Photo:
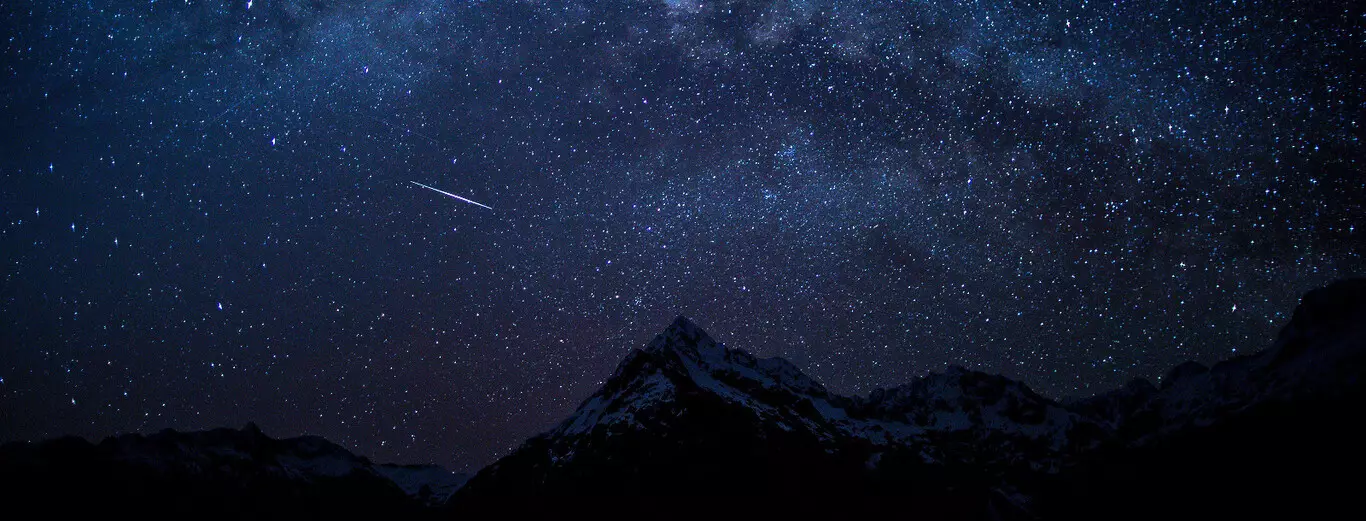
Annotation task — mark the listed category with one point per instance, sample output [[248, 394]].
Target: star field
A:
[[207, 215]]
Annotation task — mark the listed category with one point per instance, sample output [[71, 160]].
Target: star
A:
[[871, 194]]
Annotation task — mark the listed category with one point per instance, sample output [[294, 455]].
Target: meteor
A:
[[443, 192]]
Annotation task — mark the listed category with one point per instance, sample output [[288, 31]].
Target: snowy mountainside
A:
[[988, 442]]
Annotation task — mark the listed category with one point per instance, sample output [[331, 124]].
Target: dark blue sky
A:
[[207, 217]]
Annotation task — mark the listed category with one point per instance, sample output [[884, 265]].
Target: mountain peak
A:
[[684, 327], [957, 370], [684, 336], [682, 322]]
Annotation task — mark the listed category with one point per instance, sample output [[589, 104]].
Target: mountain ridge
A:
[[685, 416], [990, 433], [222, 472]]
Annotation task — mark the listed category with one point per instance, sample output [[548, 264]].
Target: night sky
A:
[[208, 216]]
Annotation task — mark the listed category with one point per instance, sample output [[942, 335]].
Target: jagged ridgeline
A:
[[221, 473], [685, 417]]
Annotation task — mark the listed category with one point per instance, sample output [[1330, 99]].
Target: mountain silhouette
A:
[[686, 418]]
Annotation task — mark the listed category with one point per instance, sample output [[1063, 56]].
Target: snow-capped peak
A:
[[684, 360], [684, 382]]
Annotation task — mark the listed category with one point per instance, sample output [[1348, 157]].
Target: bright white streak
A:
[[438, 190]]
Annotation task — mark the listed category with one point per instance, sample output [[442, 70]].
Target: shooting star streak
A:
[[440, 191]]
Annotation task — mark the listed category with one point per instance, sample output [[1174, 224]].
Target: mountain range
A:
[[686, 417]]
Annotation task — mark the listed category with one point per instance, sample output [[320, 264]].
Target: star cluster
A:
[[207, 218]]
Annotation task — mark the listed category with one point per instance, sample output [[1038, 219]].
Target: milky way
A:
[[206, 218]]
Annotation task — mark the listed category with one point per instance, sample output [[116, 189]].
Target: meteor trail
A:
[[438, 190]]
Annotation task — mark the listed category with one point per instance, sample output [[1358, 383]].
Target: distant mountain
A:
[[222, 473], [1276, 433], [431, 485], [689, 417]]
